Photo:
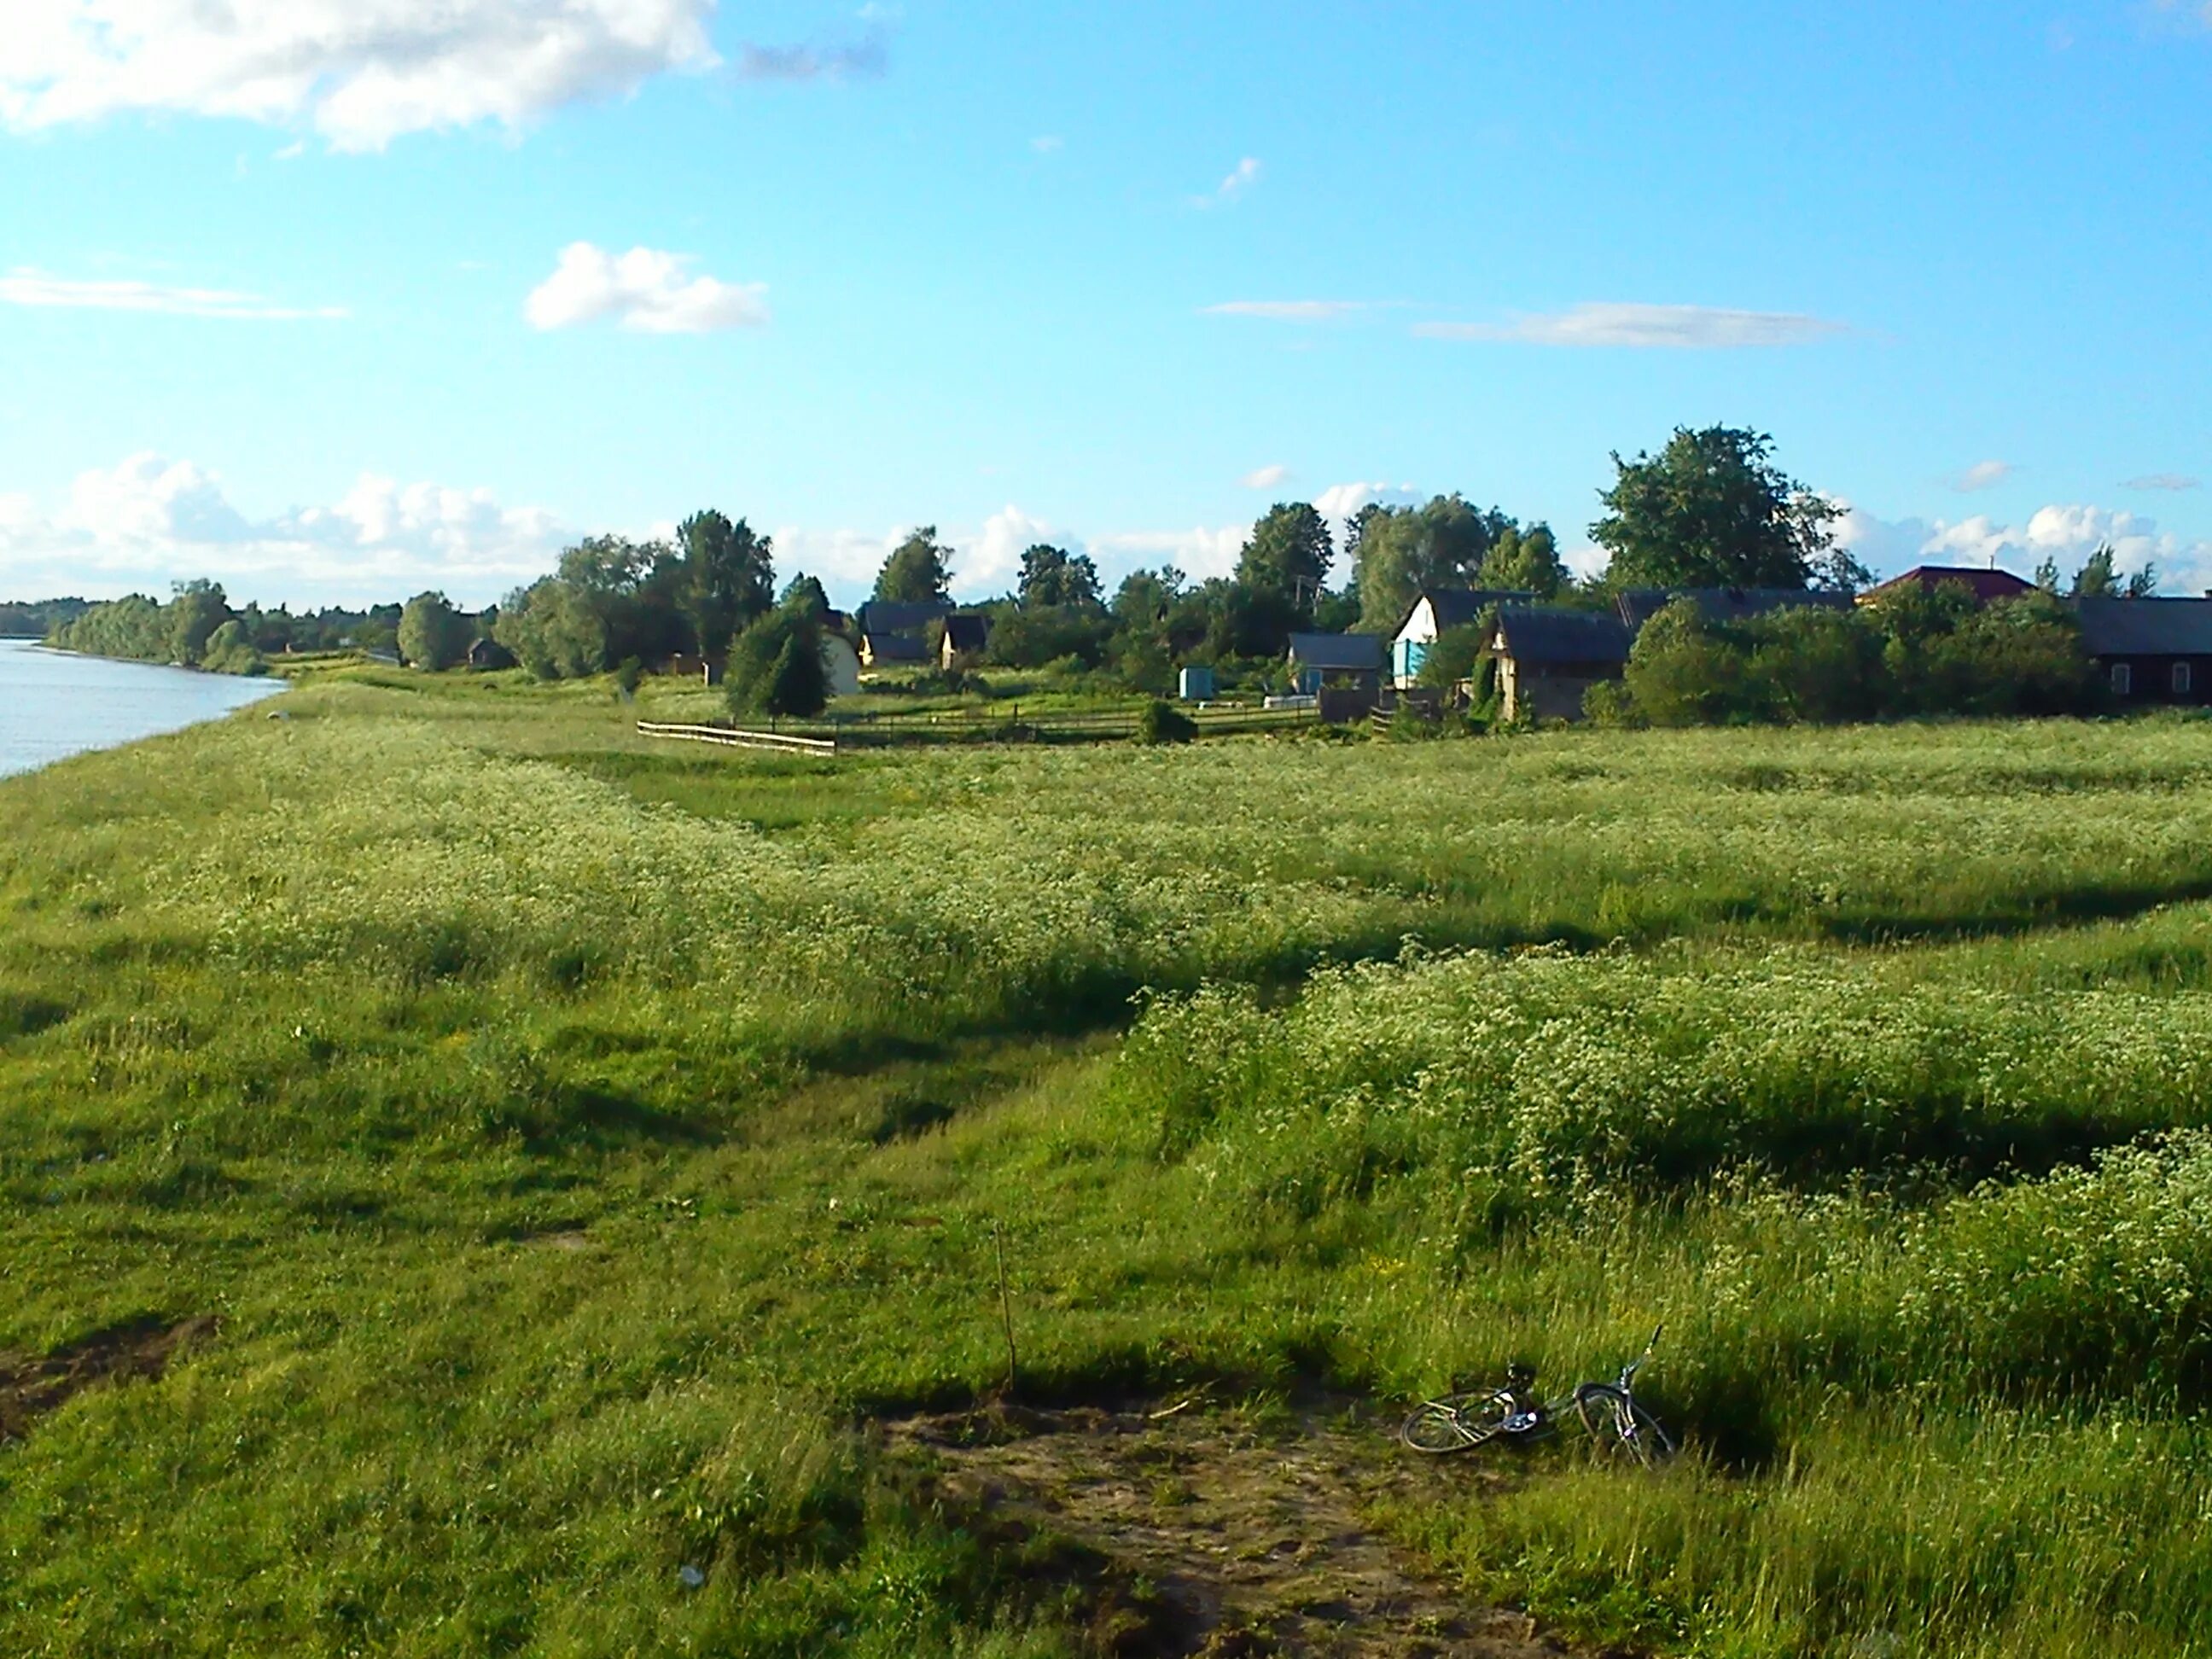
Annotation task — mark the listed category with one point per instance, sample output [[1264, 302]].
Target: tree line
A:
[[1710, 508]]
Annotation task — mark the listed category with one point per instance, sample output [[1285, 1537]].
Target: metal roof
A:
[[1350, 653], [1986, 582], [2145, 627], [885, 616], [1455, 607], [968, 633], [1552, 633]]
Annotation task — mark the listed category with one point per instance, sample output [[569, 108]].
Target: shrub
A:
[[1163, 722]]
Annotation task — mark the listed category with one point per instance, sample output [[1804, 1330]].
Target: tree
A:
[[2143, 584], [728, 578], [1526, 560], [1712, 510], [2097, 579], [199, 608], [1288, 553], [1683, 671], [807, 591], [1403, 550], [918, 571], [1053, 576], [775, 663], [433, 636]]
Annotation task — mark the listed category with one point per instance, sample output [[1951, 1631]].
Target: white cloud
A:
[[1198, 552], [1982, 474], [25, 287], [2163, 481], [151, 521], [844, 561], [646, 289], [991, 563], [2065, 534], [1265, 478], [1286, 311], [813, 63], [1678, 327], [1048, 143], [361, 72], [1241, 179], [1340, 502]]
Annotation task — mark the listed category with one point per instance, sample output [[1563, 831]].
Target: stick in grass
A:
[[1005, 1310]]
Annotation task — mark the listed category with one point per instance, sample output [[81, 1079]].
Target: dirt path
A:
[[32, 1385], [1219, 1537]]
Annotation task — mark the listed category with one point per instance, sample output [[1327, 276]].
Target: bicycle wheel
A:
[[1458, 1422], [1620, 1427]]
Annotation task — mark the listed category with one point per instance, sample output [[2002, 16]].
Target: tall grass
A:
[[579, 1141]]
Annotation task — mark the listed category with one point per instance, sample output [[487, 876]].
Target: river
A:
[[53, 704]]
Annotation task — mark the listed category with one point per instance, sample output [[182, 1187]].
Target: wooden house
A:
[[1549, 655], [2150, 650], [1985, 583], [966, 637], [1339, 661], [1433, 611]]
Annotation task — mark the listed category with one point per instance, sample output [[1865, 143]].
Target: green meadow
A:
[[579, 1143]]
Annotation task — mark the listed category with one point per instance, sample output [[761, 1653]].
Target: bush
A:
[[1608, 703], [776, 666], [1163, 722]]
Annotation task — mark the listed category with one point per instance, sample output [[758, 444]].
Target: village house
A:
[[1548, 655], [1984, 582], [965, 639], [2150, 650], [1434, 612], [891, 633], [1340, 661], [840, 663]]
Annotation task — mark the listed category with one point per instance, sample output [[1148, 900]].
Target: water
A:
[[52, 704]]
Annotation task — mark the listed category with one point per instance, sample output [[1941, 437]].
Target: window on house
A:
[[2123, 679], [2181, 679]]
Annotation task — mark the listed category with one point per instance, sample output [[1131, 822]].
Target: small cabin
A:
[[2150, 650], [1340, 661], [1436, 610], [1549, 655], [966, 637]]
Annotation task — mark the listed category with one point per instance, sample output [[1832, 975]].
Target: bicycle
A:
[[1609, 1412]]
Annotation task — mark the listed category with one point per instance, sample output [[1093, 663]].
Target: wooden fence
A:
[[838, 733], [733, 737]]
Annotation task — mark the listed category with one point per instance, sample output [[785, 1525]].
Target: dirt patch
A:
[[1218, 1536], [31, 1385]]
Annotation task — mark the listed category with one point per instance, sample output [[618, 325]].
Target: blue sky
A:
[[339, 299]]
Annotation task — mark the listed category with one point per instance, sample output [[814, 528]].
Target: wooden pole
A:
[[1006, 1311]]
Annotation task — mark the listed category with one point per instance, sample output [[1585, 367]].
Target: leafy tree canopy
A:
[[433, 636], [1053, 576], [775, 663], [918, 571], [1712, 510], [1445, 543], [728, 578], [1288, 554]]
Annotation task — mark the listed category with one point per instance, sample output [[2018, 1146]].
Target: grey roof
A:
[[1552, 633], [967, 634], [1349, 653], [1638, 606], [1455, 607], [2145, 627], [883, 616]]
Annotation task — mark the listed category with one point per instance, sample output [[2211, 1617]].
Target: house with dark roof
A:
[[964, 641], [1434, 610], [1347, 661], [1984, 583], [2150, 650], [897, 633], [1548, 655]]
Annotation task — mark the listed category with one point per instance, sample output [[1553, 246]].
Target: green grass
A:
[[580, 1139]]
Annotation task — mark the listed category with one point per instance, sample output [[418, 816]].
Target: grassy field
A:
[[579, 1143]]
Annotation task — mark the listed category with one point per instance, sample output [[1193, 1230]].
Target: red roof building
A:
[[1985, 583]]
